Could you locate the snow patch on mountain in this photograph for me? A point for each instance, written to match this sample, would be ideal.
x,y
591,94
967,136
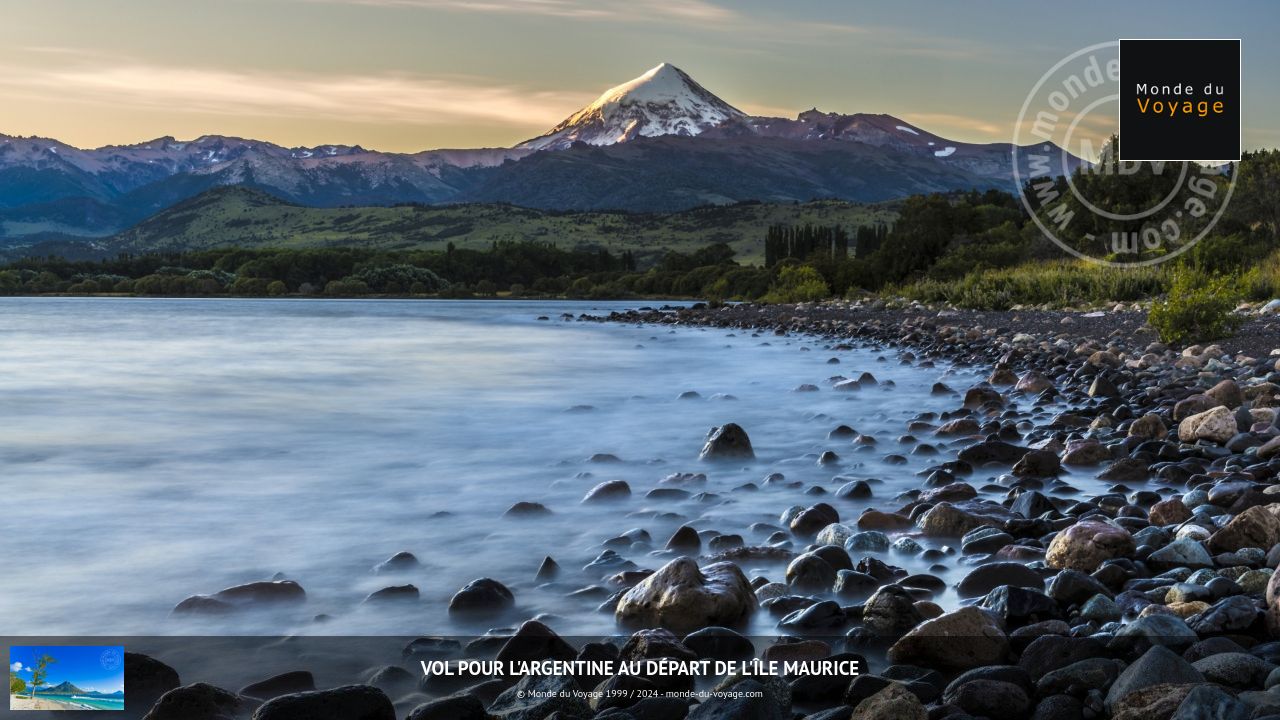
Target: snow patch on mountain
x,y
663,101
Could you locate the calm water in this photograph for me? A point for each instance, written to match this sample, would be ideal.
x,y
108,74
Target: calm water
x,y
155,449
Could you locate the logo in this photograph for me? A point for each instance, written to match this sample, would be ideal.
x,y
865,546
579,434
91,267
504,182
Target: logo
x,y
111,658
1082,196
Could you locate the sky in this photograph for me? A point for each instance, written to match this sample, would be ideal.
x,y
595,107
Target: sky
x,y
82,666
410,75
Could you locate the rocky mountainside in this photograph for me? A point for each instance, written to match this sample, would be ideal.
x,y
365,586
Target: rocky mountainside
x,y
660,142
663,101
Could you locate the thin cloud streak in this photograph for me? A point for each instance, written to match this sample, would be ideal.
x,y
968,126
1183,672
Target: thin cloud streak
x,y
364,98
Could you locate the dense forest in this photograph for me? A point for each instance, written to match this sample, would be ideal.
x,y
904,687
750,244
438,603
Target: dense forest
x,y
976,249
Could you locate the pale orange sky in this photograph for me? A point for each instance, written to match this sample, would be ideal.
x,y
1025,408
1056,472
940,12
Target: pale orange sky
x,y
408,75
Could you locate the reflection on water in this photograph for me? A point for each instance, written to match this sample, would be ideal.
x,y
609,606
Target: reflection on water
x,y
155,449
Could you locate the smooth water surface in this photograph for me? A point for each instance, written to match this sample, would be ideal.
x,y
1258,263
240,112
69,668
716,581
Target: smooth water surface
x,y
156,449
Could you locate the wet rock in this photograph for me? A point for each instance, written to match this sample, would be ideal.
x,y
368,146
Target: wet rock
x,y
1033,383
1072,587
825,615
351,702
1100,609
539,696
1235,669
834,534
1038,464
527,509
1017,606
1150,703
960,426
535,641
992,452
1032,503
1169,512
1085,545
947,520
254,594
812,519
1217,425
890,612
1226,393
610,490
1255,527
685,539
484,596
958,640
1080,677
1085,452
1148,427
879,520
1059,707
147,679
1231,614
682,597
979,395
282,684
393,593
993,699
986,578
727,442
548,570
1181,553
1157,666
854,585
719,643
199,701
810,573
1207,702
1047,653
400,562
894,702
868,541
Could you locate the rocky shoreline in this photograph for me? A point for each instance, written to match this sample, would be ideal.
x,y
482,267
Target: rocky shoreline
x,y
1152,599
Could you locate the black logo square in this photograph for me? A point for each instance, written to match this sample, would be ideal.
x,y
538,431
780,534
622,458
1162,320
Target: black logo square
x,y
1180,100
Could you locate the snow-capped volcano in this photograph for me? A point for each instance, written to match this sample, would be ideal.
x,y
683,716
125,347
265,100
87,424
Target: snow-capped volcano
x,y
663,101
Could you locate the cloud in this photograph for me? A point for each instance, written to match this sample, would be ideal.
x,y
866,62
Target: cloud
x,y
933,121
391,97
15,667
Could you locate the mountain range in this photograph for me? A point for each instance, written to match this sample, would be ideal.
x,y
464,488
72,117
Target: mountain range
x,y
658,143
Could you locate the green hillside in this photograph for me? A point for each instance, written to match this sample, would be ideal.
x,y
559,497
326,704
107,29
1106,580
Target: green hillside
x,y
242,217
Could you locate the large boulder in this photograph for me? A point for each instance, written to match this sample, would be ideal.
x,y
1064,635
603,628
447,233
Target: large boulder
x,y
249,595
1085,545
894,702
484,596
199,701
891,611
147,679
1256,527
682,597
1157,666
958,640
351,702
727,442
1216,425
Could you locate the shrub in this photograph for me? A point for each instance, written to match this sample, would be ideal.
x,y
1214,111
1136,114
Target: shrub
x,y
397,278
798,283
276,288
1197,308
346,287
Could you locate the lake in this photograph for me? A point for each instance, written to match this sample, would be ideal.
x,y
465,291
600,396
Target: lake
x,y
154,449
